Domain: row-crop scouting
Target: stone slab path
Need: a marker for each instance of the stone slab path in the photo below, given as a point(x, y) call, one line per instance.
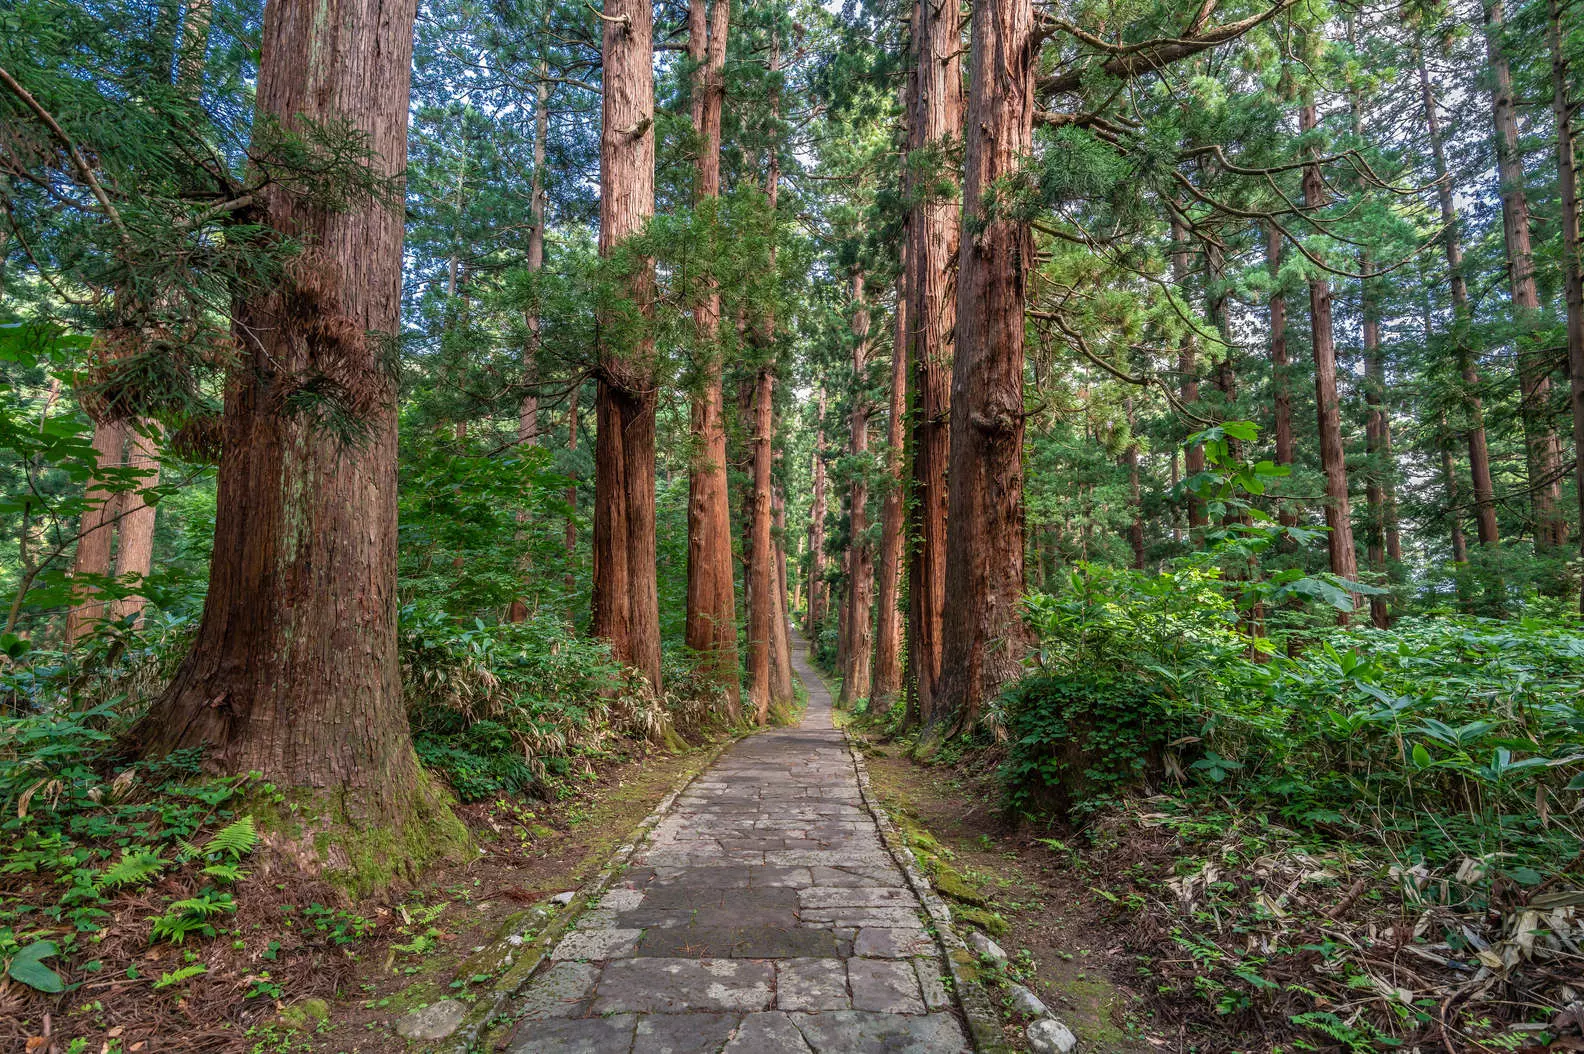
point(763, 916)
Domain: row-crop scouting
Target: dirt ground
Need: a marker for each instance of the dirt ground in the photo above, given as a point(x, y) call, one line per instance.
point(1059, 947)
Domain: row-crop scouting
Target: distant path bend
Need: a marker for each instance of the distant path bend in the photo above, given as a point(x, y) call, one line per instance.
point(764, 915)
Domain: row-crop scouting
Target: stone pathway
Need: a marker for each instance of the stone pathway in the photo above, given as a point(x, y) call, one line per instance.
point(763, 916)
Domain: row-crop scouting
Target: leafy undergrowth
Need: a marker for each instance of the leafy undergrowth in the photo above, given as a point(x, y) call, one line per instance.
point(140, 901)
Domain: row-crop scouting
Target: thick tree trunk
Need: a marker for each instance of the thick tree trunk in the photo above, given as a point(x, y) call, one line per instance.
point(818, 591)
point(888, 622)
point(1376, 440)
point(626, 596)
point(1542, 447)
point(1281, 381)
point(135, 531)
point(711, 629)
point(1454, 500)
point(1573, 280)
point(1333, 453)
point(856, 670)
point(1474, 412)
point(933, 227)
point(984, 631)
point(294, 670)
point(761, 560)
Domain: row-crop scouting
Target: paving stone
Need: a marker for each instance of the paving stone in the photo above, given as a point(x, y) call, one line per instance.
point(861, 1032)
point(597, 944)
point(812, 984)
point(599, 1035)
point(563, 990)
point(683, 1033)
point(905, 918)
point(1049, 1036)
point(855, 897)
point(932, 983)
point(436, 1021)
point(660, 986)
point(886, 985)
point(892, 942)
point(767, 1033)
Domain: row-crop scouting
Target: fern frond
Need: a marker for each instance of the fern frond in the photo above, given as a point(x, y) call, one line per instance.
point(235, 840)
point(136, 866)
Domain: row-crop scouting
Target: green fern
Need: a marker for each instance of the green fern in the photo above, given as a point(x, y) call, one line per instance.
point(225, 872)
point(136, 866)
point(191, 916)
point(178, 976)
point(234, 840)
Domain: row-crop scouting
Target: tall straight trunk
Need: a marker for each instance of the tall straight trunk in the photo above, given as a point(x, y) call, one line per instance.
point(761, 560)
point(528, 405)
point(860, 557)
point(96, 530)
point(1188, 386)
point(817, 589)
point(1281, 381)
point(294, 669)
point(780, 637)
point(1454, 499)
point(1377, 439)
point(711, 629)
point(933, 234)
point(626, 593)
point(887, 680)
point(1135, 493)
point(135, 531)
point(984, 630)
point(1573, 280)
point(1542, 447)
point(1452, 244)
point(1333, 453)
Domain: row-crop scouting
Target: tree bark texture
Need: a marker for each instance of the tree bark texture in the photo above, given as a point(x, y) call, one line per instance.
point(294, 670)
point(711, 626)
point(935, 126)
point(1542, 447)
point(818, 591)
point(761, 560)
point(887, 674)
point(626, 603)
point(1573, 278)
point(1333, 453)
point(1452, 244)
point(984, 632)
point(857, 668)
point(780, 635)
point(1281, 380)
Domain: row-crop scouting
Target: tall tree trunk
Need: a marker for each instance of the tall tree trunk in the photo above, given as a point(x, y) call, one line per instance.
point(1188, 386)
point(711, 629)
point(528, 405)
point(626, 593)
point(135, 531)
point(294, 669)
point(984, 630)
point(1449, 474)
point(933, 229)
point(818, 591)
point(1376, 438)
point(1573, 281)
point(761, 559)
point(1333, 453)
point(1281, 381)
point(1135, 495)
point(1542, 447)
point(888, 622)
point(1474, 412)
point(860, 557)
point(780, 638)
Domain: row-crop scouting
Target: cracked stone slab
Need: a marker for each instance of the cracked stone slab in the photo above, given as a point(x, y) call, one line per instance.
point(599, 1035)
point(597, 944)
point(661, 986)
point(888, 986)
point(768, 1033)
point(564, 990)
point(812, 984)
point(683, 1033)
point(861, 1032)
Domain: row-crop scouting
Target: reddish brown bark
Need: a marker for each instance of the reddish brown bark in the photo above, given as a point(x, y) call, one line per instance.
point(1542, 447)
point(818, 591)
point(626, 603)
point(857, 664)
point(984, 632)
point(97, 531)
point(1377, 440)
point(711, 629)
point(1333, 453)
point(935, 125)
point(780, 635)
point(1478, 450)
point(887, 674)
point(135, 529)
point(1573, 280)
point(294, 670)
point(761, 559)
